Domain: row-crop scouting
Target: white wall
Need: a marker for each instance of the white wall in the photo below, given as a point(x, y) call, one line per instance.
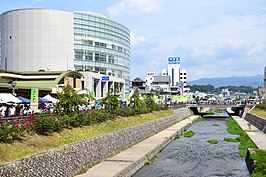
point(34, 39)
point(175, 76)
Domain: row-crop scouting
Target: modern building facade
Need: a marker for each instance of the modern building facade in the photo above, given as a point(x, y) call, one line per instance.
point(58, 40)
point(178, 76)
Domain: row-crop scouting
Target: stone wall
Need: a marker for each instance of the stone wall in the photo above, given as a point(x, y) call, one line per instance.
point(258, 122)
point(68, 160)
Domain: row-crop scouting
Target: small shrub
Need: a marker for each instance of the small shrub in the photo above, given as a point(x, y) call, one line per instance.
point(189, 134)
point(5, 132)
point(213, 141)
point(45, 124)
point(215, 125)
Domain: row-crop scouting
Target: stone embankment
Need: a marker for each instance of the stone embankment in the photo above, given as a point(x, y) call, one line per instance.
point(68, 160)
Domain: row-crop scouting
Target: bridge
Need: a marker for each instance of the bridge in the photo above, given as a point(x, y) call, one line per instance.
point(232, 109)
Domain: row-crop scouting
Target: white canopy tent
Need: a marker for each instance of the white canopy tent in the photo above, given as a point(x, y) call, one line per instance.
point(8, 98)
point(50, 98)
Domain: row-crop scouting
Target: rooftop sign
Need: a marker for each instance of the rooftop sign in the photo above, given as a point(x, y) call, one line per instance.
point(173, 60)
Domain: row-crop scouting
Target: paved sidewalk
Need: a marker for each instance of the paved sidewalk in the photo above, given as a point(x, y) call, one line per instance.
point(127, 162)
point(256, 135)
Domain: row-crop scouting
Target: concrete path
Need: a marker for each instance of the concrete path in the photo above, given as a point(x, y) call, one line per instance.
point(229, 110)
point(127, 162)
point(256, 135)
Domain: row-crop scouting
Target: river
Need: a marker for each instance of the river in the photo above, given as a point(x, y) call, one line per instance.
point(195, 157)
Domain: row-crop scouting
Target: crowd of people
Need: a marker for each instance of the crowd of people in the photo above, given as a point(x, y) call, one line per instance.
point(13, 110)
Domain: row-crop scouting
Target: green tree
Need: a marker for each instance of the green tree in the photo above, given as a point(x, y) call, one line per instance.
point(68, 101)
point(135, 99)
point(111, 101)
point(150, 103)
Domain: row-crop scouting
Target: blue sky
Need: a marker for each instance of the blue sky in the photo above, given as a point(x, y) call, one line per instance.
point(214, 38)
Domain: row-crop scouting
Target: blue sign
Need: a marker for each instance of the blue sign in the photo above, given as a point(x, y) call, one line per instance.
point(105, 78)
point(174, 60)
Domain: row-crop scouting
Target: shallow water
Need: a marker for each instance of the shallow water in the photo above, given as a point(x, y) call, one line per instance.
point(195, 157)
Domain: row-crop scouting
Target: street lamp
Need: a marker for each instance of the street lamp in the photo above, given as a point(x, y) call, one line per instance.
point(13, 85)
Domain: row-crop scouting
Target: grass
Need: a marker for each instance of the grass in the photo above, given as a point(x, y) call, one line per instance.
point(260, 166)
point(231, 139)
point(189, 134)
point(199, 119)
point(32, 144)
point(215, 125)
point(245, 141)
point(259, 112)
point(177, 136)
point(213, 141)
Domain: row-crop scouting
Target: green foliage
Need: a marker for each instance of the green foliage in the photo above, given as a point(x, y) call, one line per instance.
point(68, 101)
point(215, 125)
point(6, 130)
point(199, 119)
point(213, 141)
point(45, 125)
point(209, 113)
point(189, 134)
point(14, 130)
point(217, 111)
point(245, 141)
point(111, 102)
point(202, 88)
point(150, 103)
point(231, 139)
point(177, 136)
point(260, 166)
point(126, 112)
point(135, 99)
point(211, 89)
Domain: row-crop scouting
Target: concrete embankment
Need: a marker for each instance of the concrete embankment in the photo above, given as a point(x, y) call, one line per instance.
point(127, 162)
point(256, 135)
point(70, 159)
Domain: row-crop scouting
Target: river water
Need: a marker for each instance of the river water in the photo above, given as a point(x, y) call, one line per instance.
point(195, 157)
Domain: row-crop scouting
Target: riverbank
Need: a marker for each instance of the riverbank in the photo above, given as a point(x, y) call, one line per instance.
point(127, 162)
point(205, 154)
point(34, 143)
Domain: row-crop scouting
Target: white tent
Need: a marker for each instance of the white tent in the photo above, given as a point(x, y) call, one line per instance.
point(8, 98)
point(50, 98)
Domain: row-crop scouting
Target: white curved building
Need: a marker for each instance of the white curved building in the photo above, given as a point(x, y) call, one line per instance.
point(34, 39)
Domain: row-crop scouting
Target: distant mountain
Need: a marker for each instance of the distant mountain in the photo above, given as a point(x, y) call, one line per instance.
point(253, 81)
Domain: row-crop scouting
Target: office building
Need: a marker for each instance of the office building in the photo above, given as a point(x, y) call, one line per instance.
point(58, 40)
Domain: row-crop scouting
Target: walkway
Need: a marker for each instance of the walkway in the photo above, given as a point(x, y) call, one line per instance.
point(127, 162)
point(256, 135)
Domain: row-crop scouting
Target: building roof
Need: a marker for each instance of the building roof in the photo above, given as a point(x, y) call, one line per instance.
point(160, 79)
point(44, 84)
point(138, 80)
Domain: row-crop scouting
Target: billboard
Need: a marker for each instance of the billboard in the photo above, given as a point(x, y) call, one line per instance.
point(34, 98)
point(174, 60)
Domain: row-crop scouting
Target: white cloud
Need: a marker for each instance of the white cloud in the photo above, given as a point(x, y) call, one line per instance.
point(135, 40)
point(213, 38)
point(134, 7)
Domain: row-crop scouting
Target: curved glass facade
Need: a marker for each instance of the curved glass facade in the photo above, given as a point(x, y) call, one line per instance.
point(101, 45)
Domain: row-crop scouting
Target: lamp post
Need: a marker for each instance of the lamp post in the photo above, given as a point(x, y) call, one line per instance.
point(13, 85)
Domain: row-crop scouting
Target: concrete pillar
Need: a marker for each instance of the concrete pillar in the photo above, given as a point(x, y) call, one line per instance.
point(105, 89)
point(122, 92)
point(98, 88)
point(111, 86)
